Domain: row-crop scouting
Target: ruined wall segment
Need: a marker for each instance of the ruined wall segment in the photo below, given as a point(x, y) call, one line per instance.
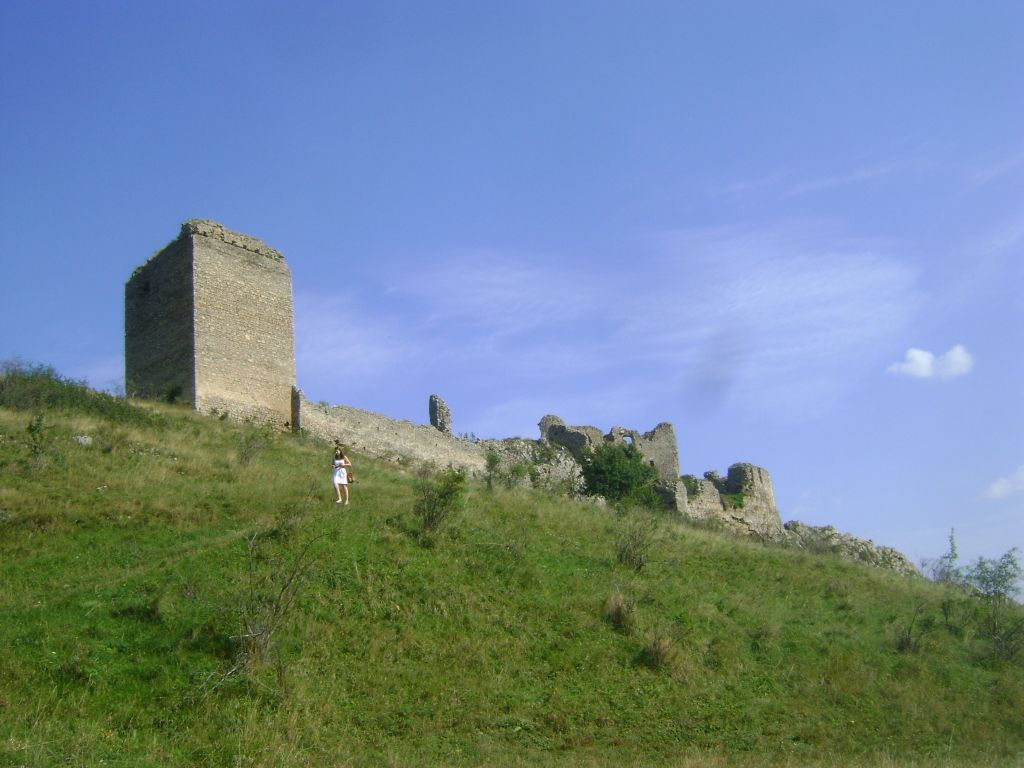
point(658, 446)
point(703, 500)
point(209, 319)
point(753, 486)
point(440, 415)
point(743, 500)
point(376, 435)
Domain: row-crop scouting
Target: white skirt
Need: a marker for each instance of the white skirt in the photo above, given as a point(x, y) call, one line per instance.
point(341, 476)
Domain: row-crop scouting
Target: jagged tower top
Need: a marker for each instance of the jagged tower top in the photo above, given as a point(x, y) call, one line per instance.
point(210, 228)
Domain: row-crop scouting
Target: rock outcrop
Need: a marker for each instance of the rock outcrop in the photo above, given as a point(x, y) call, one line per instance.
point(828, 539)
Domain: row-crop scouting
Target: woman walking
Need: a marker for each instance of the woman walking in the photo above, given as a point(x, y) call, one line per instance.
point(340, 464)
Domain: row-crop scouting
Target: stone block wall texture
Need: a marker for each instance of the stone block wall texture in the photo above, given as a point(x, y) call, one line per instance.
point(159, 347)
point(703, 502)
point(212, 314)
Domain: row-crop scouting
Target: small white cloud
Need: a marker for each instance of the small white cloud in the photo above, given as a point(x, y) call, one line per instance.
point(956, 362)
point(922, 364)
point(918, 363)
point(1007, 486)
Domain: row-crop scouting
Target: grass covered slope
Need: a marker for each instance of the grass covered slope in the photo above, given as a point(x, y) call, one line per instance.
point(184, 591)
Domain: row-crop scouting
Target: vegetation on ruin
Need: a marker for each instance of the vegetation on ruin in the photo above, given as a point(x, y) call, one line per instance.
point(182, 590)
point(619, 473)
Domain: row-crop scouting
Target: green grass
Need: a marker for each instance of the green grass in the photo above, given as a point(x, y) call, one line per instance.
point(125, 569)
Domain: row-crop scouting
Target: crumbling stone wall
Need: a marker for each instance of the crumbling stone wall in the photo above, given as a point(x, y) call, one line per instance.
point(701, 499)
point(577, 440)
point(376, 435)
point(209, 318)
point(658, 446)
point(743, 500)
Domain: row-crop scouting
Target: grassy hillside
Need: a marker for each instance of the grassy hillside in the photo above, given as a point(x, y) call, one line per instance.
point(184, 591)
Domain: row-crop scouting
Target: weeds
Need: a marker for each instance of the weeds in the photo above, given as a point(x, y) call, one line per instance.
point(272, 585)
point(907, 635)
point(659, 652)
point(633, 545)
point(254, 440)
point(619, 613)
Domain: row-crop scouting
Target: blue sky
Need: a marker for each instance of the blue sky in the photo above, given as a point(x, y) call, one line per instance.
point(795, 230)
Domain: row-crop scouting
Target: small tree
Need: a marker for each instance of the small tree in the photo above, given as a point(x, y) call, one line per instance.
point(493, 459)
point(995, 583)
point(618, 472)
point(981, 596)
point(440, 496)
point(944, 569)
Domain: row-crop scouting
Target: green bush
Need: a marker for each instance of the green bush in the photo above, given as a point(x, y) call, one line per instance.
point(691, 483)
point(618, 472)
point(995, 585)
point(440, 495)
point(493, 464)
point(516, 474)
point(25, 387)
point(982, 596)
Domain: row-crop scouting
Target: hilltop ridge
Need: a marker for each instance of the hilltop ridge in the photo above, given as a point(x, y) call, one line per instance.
point(140, 540)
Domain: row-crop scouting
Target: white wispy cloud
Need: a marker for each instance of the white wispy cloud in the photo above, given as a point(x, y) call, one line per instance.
point(785, 185)
point(1007, 486)
point(778, 322)
point(855, 176)
point(922, 364)
point(984, 174)
point(496, 292)
point(341, 343)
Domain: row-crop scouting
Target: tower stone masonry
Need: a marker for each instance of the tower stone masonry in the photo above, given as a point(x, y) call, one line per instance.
point(208, 320)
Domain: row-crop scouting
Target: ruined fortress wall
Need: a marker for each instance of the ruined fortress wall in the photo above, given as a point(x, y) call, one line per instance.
point(377, 435)
point(244, 335)
point(158, 321)
point(759, 512)
point(658, 446)
point(208, 319)
point(703, 501)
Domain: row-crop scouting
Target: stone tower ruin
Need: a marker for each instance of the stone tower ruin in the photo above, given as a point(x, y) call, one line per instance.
point(208, 320)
